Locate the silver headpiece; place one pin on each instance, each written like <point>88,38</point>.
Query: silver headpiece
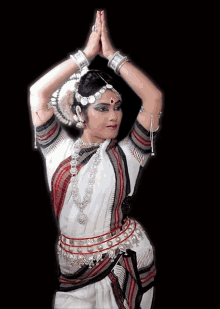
<point>62,99</point>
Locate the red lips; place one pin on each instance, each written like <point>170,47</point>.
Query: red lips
<point>113,127</point>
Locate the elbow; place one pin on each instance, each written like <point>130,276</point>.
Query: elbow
<point>155,96</point>
<point>34,90</point>
<point>158,94</point>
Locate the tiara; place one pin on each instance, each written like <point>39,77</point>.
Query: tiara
<point>63,98</point>
<point>92,98</point>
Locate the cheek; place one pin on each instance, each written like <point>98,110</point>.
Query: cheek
<point>120,116</point>
<point>97,121</point>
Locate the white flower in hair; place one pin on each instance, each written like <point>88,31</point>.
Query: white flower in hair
<point>75,118</point>
<point>62,99</point>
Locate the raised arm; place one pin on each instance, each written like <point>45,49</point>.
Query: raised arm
<point>41,91</point>
<point>150,95</point>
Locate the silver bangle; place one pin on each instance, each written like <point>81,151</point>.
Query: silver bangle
<point>119,68</point>
<point>115,61</point>
<point>80,59</point>
<point>142,110</point>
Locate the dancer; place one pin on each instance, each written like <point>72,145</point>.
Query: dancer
<point>105,257</point>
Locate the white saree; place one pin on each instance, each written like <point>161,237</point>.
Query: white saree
<point>56,148</point>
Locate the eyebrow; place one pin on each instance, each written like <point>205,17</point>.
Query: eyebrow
<point>107,104</point>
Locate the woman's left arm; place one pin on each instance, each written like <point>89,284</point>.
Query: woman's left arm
<point>150,95</point>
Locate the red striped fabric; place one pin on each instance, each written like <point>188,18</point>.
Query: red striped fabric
<point>46,136</point>
<point>116,291</point>
<point>140,139</point>
<point>148,277</point>
<point>121,189</point>
<point>60,182</point>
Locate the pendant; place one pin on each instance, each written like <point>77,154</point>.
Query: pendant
<point>82,218</point>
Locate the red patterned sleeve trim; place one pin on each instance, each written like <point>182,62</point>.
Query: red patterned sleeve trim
<point>138,142</point>
<point>140,137</point>
<point>49,135</point>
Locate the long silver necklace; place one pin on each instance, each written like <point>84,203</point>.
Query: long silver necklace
<point>81,217</point>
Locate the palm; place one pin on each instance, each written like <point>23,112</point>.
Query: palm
<point>100,52</point>
<point>106,48</point>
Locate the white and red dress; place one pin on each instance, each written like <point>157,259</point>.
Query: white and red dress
<point>127,279</point>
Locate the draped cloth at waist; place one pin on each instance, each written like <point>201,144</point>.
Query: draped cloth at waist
<point>79,269</point>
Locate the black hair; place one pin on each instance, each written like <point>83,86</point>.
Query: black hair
<point>90,83</point>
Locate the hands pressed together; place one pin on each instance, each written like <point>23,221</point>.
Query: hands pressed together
<point>99,41</point>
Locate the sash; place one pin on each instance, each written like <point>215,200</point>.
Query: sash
<point>128,283</point>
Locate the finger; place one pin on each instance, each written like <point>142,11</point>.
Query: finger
<point>98,23</point>
<point>104,20</point>
<point>96,18</point>
<point>104,27</point>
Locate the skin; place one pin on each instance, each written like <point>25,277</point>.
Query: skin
<point>102,114</point>
<point>99,43</point>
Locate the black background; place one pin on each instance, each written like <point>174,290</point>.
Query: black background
<point>155,40</point>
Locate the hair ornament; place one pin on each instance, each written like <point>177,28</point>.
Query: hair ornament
<point>91,99</point>
<point>63,98</point>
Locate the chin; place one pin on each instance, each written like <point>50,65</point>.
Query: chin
<point>106,134</point>
<point>112,135</point>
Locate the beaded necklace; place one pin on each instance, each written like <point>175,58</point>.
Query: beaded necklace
<point>81,217</point>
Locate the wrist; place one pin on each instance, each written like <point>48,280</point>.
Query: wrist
<point>110,54</point>
<point>81,59</point>
<point>88,54</point>
<point>116,61</point>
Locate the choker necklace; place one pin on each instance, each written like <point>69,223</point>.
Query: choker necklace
<point>81,217</point>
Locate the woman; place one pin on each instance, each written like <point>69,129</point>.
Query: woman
<point>105,257</point>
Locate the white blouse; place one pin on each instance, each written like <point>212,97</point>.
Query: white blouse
<point>99,210</point>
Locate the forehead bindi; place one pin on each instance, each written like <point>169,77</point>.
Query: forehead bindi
<point>108,97</point>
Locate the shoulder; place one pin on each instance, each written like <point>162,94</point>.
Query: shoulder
<point>51,136</point>
<point>137,144</point>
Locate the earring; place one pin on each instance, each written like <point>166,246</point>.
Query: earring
<point>80,125</point>
<point>80,122</point>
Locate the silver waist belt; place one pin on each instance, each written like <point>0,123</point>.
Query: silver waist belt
<point>89,251</point>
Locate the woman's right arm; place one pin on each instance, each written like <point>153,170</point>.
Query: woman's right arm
<point>41,91</point>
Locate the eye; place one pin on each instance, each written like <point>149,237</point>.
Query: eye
<point>118,107</point>
<point>102,109</point>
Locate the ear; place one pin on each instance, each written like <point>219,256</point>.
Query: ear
<point>79,113</point>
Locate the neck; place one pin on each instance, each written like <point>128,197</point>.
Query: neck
<point>88,138</point>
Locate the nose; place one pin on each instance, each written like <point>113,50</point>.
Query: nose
<point>114,115</point>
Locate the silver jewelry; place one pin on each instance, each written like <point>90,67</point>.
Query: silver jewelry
<point>91,99</point>
<point>142,110</point>
<point>81,217</point>
<point>35,109</point>
<point>80,125</point>
<point>93,28</point>
<point>80,59</point>
<point>89,251</point>
<point>120,66</point>
<point>79,118</point>
<point>116,60</point>
<point>62,99</point>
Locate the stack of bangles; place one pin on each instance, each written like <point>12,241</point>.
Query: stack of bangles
<point>115,61</point>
